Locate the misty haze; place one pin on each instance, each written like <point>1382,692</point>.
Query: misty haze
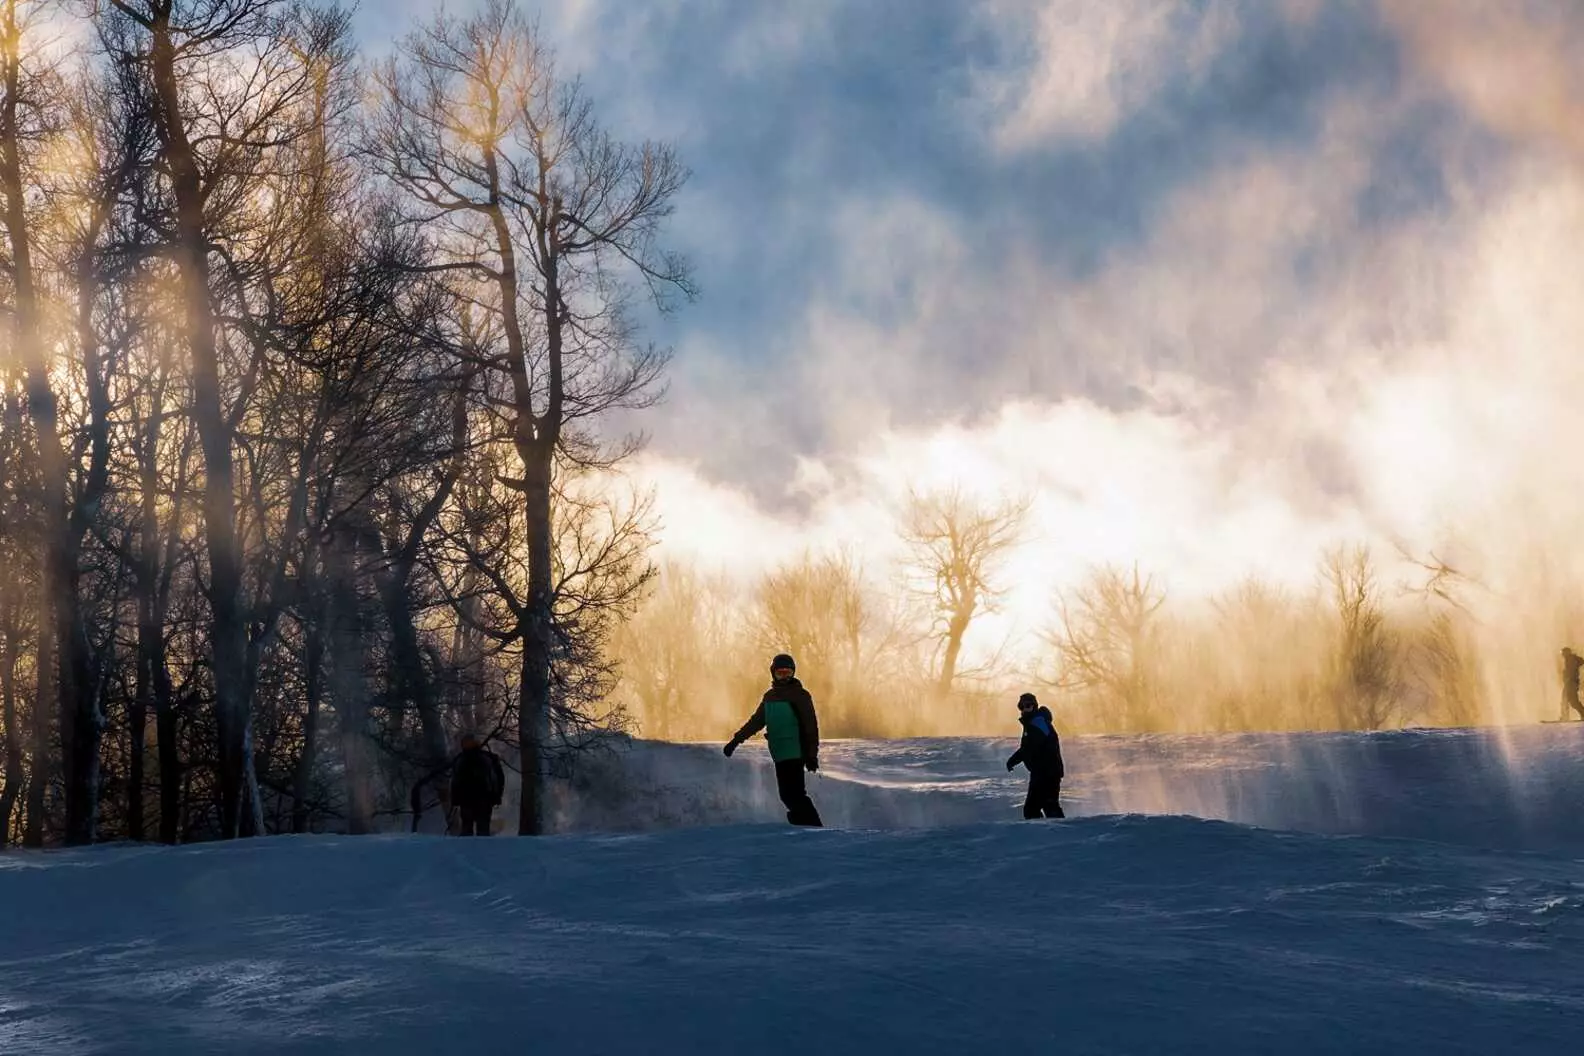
<point>955,525</point>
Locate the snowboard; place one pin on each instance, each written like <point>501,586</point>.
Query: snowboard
<point>1559,720</point>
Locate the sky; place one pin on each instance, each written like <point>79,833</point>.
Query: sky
<point>1218,283</point>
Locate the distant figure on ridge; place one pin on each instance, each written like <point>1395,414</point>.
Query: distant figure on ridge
<point>1571,662</point>
<point>786,714</point>
<point>477,783</point>
<point>1040,753</point>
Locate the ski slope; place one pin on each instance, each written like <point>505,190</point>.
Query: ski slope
<point>932,925</point>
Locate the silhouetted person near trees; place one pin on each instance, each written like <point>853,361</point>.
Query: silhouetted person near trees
<point>477,783</point>
<point>1040,752</point>
<point>1571,662</point>
<point>786,714</point>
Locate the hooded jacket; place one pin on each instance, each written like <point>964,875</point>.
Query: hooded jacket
<point>1040,749</point>
<point>786,714</point>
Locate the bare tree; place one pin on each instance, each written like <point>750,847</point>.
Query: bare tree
<point>821,609</point>
<point>955,545</point>
<point>1263,656</point>
<point>1367,658</point>
<point>259,62</point>
<point>681,657</point>
<point>1440,660</point>
<point>29,117</point>
<point>1105,642</point>
<point>524,193</point>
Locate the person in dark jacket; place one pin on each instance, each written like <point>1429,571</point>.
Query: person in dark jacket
<point>477,783</point>
<point>786,714</point>
<point>1571,662</point>
<point>1040,753</point>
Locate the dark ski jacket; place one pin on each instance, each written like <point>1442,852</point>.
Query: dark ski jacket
<point>1570,672</point>
<point>786,714</point>
<point>477,779</point>
<point>1040,750</point>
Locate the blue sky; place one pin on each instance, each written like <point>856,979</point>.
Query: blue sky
<point>1225,224</point>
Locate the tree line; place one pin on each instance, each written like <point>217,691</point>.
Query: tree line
<point>306,380</point>
<point>1371,642</point>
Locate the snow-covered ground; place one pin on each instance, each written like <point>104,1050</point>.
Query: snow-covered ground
<point>1402,893</point>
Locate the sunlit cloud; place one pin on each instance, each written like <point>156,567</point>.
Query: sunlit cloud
<point>1321,293</point>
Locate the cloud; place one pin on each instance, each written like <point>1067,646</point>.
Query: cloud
<point>1517,66</point>
<point>1089,66</point>
<point>1280,362</point>
<point>1220,282</point>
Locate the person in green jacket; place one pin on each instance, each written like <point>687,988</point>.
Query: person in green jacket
<point>786,714</point>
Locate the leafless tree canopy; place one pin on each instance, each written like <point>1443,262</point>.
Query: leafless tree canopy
<point>302,469</point>
<point>1107,643</point>
<point>955,548</point>
<point>539,224</point>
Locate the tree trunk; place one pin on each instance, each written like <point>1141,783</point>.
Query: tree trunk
<point>13,736</point>
<point>412,677</point>
<point>150,644</point>
<point>538,437</point>
<point>137,731</point>
<point>170,769</point>
<point>153,583</point>
<point>38,742</point>
<point>534,700</point>
<point>313,675</point>
<point>955,631</point>
<point>349,682</point>
<point>252,823</point>
<point>82,708</point>
<point>81,721</point>
<point>228,633</point>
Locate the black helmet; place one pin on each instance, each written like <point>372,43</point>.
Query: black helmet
<point>783,660</point>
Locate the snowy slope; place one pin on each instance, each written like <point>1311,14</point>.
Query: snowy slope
<point>1520,787</point>
<point>1102,934</point>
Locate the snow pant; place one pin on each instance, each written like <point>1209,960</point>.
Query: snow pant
<point>475,818</point>
<point>1044,797</point>
<point>794,793</point>
<point>1570,699</point>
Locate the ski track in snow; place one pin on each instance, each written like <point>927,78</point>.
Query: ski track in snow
<point>1390,893</point>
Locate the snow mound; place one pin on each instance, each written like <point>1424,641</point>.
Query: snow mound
<point>1097,935</point>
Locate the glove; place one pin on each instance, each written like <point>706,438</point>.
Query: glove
<point>731,746</point>
<point>1011,766</point>
<point>811,764</point>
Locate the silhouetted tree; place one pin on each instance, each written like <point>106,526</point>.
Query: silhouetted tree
<point>954,546</point>
<point>524,194</point>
